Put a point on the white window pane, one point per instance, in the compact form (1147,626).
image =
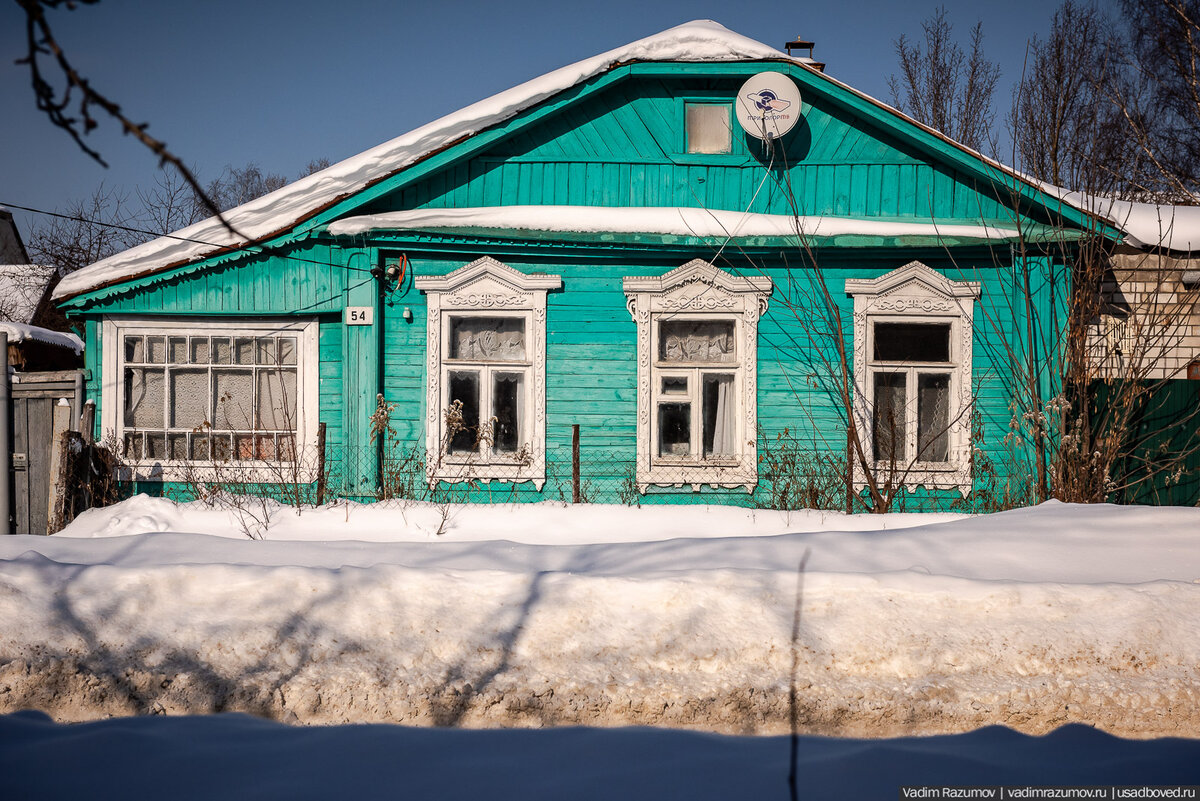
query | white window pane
(199,447)
(243,350)
(243,447)
(463,429)
(287,350)
(696,341)
(675,385)
(933,418)
(144,397)
(674,429)
(265,349)
(277,400)
(234,401)
(487,339)
(889,416)
(177,348)
(719,420)
(189,398)
(156,445)
(508,407)
(177,446)
(708,129)
(157,348)
(134,350)
(199,354)
(222,350)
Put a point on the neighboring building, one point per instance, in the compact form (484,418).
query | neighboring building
(24,302)
(604,247)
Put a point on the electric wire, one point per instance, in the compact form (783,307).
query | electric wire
(255,250)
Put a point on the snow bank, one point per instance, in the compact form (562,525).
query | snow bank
(673,221)
(237,756)
(1032,618)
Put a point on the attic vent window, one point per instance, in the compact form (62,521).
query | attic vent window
(708,128)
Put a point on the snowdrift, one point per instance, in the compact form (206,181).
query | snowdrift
(1031,619)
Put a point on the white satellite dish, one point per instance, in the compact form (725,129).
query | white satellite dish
(768,105)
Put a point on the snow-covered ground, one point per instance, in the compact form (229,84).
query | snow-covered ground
(909,624)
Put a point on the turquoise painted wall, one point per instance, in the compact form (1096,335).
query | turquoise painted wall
(624,147)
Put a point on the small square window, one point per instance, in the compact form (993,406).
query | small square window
(708,128)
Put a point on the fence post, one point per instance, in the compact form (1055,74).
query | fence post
(575,493)
(321,464)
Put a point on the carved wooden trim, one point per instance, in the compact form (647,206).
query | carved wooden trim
(918,293)
(485,284)
(700,291)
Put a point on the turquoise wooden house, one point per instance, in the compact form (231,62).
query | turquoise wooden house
(606,247)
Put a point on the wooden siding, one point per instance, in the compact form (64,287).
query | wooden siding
(623,148)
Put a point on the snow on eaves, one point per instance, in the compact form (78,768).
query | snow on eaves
(21,332)
(701,40)
(671,221)
(1146,225)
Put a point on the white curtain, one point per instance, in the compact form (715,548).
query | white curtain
(725,430)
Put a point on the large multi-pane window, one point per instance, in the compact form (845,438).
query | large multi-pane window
(214,392)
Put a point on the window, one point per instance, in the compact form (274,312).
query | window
(184,390)
(707,127)
(486,382)
(912,369)
(697,376)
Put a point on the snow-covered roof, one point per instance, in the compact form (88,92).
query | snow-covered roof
(20,332)
(277,212)
(671,221)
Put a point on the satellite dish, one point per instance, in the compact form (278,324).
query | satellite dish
(768,105)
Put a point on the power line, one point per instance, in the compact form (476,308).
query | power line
(252,249)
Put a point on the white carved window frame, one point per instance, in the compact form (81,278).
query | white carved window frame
(114,329)
(915,293)
(485,287)
(698,291)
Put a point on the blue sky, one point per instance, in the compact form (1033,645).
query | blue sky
(227,82)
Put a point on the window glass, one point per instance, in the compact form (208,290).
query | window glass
(189,405)
(933,417)
(143,397)
(708,128)
(508,394)
(199,350)
(487,339)
(234,390)
(674,429)
(912,342)
(696,341)
(157,349)
(464,387)
(675,385)
(890,416)
(719,403)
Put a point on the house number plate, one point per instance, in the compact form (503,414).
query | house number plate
(359,315)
